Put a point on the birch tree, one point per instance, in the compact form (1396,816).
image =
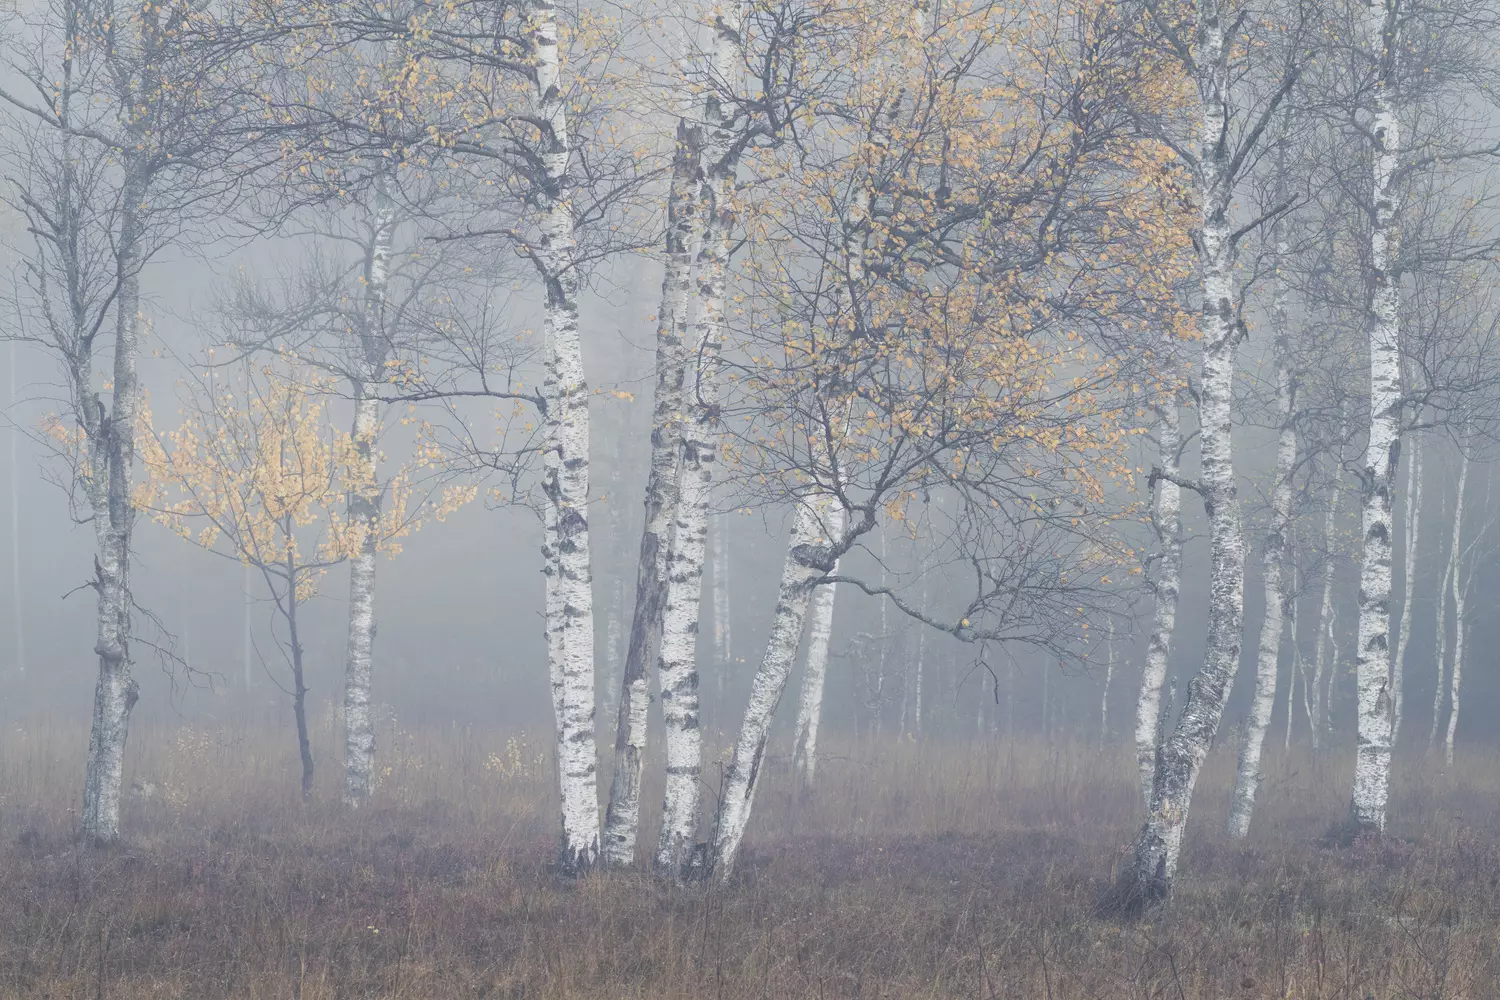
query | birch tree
(1227,134)
(815,667)
(1278,592)
(125,138)
(256,472)
(699,222)
(876,268)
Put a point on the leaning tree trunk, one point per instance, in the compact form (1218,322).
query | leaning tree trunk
(1460,589)
(1409,583)
(684,231)
(112,458)
(1166,521)
(364,506)
(1372,763)
(810,708)
(806,553)
(1152,873)
(565,475)
(1278,596)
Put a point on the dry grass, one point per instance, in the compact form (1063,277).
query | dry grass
(912,872)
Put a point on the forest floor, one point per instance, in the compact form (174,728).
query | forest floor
(911,871)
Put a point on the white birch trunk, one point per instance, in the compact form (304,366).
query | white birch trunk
(1158,847)
(810,709)
(1408,585)
(807,548)
(1247,777)
(364,504)
(700,446)
(679,671)
(678,664)
(684,231)
(565,477)
(112,454)
(1460,590)
(1382,453)
(1166,521)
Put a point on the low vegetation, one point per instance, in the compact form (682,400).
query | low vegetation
(916,870)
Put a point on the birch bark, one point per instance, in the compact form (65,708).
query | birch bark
(807,550)
(364,501)
(1247,777)
(1382,453)
(684,232)
(1166,521)
(1153,872)
(679,670)
(810,709)
(679,682)
(565,476)
(680,628)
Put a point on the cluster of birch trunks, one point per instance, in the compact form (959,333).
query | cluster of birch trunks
(979,273)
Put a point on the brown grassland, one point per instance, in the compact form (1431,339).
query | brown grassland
(911,871)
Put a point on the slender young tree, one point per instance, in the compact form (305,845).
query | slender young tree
(1278,593)
(128,139)
(1460,586)
(257,473)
